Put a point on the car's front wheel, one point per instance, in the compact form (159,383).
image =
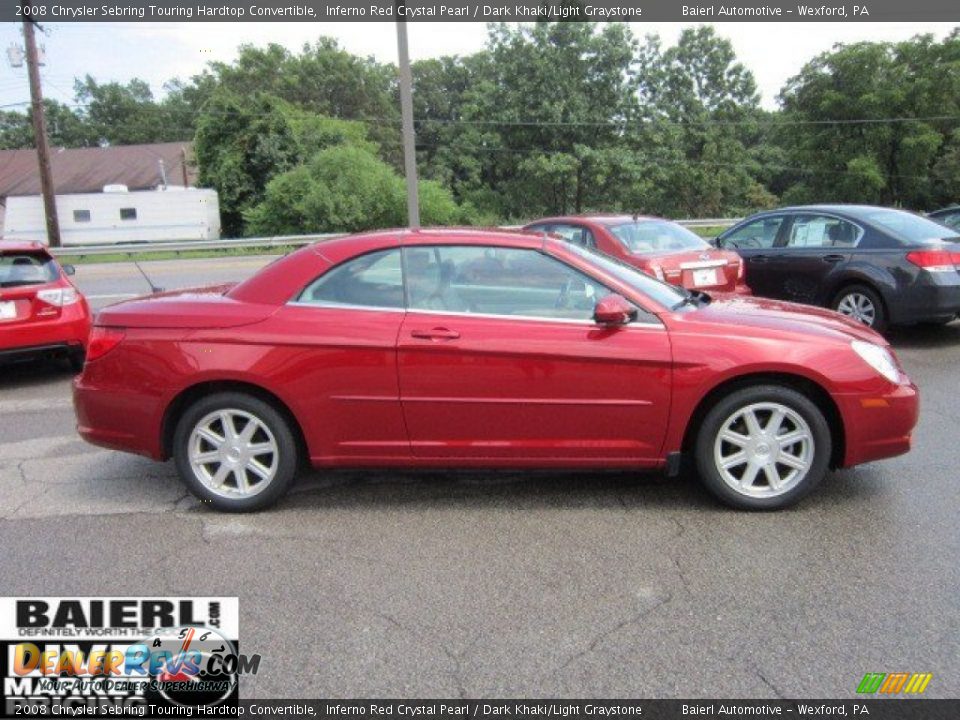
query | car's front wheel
(763,447)
(235,451)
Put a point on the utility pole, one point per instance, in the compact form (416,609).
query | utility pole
(406,112)
(40,130)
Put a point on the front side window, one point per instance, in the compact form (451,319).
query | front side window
(647,236)
(758,234)
(822,231)
(575,235)
(26,269)
(374,280)
(498,281)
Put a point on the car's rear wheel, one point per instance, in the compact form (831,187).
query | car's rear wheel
(235,451)
(763,447)
(863,304)
(76,359)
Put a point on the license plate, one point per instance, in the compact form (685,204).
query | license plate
(8,310)
(705,277)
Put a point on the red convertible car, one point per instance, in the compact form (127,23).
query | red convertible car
(659,247)
(461,348)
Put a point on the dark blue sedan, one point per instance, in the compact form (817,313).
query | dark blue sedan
(878,265)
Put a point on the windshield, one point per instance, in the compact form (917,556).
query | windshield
(25,268)
(667,295)
(909,227)
(647,236)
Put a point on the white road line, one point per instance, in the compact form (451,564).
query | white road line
(34,405)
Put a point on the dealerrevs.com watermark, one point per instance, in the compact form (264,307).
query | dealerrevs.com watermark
(98,655)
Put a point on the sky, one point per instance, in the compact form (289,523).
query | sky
(157,52)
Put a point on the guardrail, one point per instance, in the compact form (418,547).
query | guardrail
(142,248)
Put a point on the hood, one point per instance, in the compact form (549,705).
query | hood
(734,310)
(190,308)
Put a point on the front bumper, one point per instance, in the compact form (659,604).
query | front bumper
(879,425)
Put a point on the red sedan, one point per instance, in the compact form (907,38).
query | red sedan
(41,312)
(487,349)
(661,248)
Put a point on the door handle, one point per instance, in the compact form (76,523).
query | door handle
(833,258)
(757,258)
(437,333)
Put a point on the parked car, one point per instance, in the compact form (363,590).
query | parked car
(948,216)
(877,265)
(385,349)
(41,313)
(661,248)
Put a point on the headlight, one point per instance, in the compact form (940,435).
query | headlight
(878,358)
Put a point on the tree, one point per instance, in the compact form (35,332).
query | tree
(870,122)
(127,114)
(344,189)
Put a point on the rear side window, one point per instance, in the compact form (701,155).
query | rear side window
(908,227)
(574,234)
(26,269)
(374,280)
(758,234)
(822,231)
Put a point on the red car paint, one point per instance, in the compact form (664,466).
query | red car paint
(698,266)
(41,312)
(373,387)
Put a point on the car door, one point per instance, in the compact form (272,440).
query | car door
(498,357)
(812,250)
(338,358)
(754,241)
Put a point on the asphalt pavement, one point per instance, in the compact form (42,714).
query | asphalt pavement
(485,584)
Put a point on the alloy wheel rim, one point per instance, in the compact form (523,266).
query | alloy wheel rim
(764,450)
(233,453)
(859,307)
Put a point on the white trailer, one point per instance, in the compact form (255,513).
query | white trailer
(119,216)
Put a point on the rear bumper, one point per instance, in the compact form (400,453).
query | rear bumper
(34,352)
(936,297)
(115,418)
(879,425)
(28,339)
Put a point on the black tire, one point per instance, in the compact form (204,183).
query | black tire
(880,312)
(76,358)
(286,456)
(716,418)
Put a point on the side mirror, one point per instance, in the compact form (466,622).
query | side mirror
(69,269)
(716,242)
(613,311)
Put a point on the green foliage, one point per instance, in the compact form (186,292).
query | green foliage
(344,189)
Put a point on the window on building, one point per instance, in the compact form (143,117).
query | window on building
(128,213)
(81,216)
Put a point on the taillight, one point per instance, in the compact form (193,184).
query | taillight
(103,340)
(935,260)
(58,296)
(741,270)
